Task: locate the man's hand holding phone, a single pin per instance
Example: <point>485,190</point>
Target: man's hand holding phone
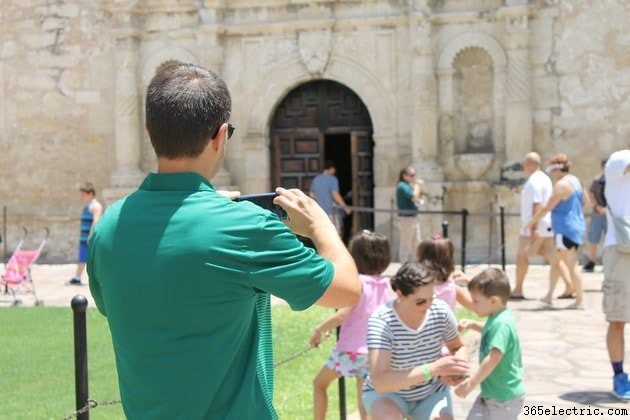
<point>305,216</point>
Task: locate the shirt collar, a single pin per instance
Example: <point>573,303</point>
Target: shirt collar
<point>178,181</point>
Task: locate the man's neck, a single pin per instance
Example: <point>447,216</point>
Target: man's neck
<point>166,166</point>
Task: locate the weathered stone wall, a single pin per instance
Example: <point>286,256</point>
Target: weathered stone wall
<point>73,75</point>
<point>56,113</point>
<point>591,59</point>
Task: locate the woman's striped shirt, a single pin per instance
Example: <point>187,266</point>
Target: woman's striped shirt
<point>412,347</point>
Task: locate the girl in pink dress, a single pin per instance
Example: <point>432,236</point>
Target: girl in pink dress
<point>372,254</point>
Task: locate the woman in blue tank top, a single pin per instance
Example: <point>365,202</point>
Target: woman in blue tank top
<point>567,221</point>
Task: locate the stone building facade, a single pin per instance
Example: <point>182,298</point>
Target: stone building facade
<point>457,88</point>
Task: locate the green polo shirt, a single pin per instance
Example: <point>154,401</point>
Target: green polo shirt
<point>183,276</point>
<point>404,195</point>
<point>506,380</point>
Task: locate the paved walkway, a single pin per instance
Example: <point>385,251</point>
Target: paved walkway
<point>564,351</point>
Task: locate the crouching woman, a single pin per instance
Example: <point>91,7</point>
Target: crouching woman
<point>408,377</point>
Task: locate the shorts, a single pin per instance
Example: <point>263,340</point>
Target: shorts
<point>348,364</point>
<point>337,220</point>
<point>489,409</point>
<point>562,242</point>
<point>83,252</point>
<point>430,407</point>
<point>596,228</point>
<point>542,245</point>
<point>616,287</point>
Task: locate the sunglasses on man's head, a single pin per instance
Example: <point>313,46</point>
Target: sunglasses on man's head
<point>230,131</point>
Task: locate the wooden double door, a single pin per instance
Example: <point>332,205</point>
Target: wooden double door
<point>319,121</point>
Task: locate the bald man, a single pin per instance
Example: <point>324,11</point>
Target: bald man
<point>539,239</point>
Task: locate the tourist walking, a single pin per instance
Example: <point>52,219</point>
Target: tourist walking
<point>90,215</point>
<point>597,224</point>
<point>616,286</point>
<point>567,221</point>
<point>325,190</point>
<point>537,239</point>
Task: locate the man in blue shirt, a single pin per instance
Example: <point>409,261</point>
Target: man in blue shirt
<point>325,190</point>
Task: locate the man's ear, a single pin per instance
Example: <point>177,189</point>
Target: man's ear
<point>217,142</point>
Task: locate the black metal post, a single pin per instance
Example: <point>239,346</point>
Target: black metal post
<point>391,222</point>
<point>79,304</point>
<point>502,224</point>
<point>4,232</point>
<point>464,234</point>
<point>445,229</point>
<point>342,390</point>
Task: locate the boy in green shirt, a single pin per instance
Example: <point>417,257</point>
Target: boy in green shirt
<point>500,372</point>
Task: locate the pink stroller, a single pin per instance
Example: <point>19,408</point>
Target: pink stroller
<point>18,269</point>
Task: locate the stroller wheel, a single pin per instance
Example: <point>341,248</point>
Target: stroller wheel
<point>39,303</point>
<point>17,303</point>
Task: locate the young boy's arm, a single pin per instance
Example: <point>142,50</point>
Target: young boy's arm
<point>331,322</point>
<point>469,324</point>
<point>486,367</point>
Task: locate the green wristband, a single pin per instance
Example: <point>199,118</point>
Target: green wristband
<point>426,371</point>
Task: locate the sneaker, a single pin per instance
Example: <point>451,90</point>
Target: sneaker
<point>589,267</point>
<point>74,282</point>
<point>621,387</point>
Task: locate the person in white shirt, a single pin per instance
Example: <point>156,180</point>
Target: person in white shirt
<point>616,286</point>
<point>538,240</point>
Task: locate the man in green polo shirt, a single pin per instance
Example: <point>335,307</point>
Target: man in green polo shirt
<point>184,274</point>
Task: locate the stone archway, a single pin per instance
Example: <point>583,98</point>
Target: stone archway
<point>324,120</point>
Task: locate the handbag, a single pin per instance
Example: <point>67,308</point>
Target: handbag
<point>622,232</point>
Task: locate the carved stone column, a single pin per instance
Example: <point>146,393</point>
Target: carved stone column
<point>445,123</point>
<point>519,124</point>
<point>424,140</point>
<point>128,119</point>
<point>126,174</point>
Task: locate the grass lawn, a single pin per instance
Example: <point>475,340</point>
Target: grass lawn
<point>37,376</point>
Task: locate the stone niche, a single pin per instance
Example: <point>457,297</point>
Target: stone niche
<point>471,73</point>
<point>472,92</point>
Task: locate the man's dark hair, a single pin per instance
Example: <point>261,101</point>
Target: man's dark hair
<point>329,164</point>
<point>491,282</point>
<point>88,187</point>
<point>185,107</point>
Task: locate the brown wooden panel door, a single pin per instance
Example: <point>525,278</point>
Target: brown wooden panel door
<point>362,178</point>
<point>297,157</point>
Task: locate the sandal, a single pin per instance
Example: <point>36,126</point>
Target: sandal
<point>566,296</point>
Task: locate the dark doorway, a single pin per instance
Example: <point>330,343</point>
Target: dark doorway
<point>324,120</point>
<point>337,149</point>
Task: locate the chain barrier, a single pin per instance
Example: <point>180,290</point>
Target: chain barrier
<point>295,356</point>
<point>91,404</point>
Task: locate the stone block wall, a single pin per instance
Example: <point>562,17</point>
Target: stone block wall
<point>63,66</point>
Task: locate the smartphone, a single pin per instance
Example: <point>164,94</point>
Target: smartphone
<point>265,200</point>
